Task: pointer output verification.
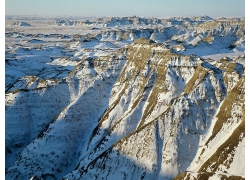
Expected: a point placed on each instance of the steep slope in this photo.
(96, 107)
(165, 146)
(133, 100)
(60, 148)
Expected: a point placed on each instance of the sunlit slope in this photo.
(140, 112)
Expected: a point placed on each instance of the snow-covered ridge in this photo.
(126, 103)
(134, 21)
(154, 108)
(111, 22)
(142, 21)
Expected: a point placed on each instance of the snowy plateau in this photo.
(124, 98)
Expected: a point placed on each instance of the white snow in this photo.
(76, 96)
(237, 167)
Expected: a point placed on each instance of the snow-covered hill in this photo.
(134, 21)
(137, 103)
(111, 22)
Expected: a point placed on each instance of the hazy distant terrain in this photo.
(124, 98)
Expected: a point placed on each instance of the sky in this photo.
(147, 8)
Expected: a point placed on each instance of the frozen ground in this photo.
(127, 97)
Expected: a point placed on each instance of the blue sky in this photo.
(126, 7)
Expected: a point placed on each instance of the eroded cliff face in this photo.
(141, 112)
(161, 144)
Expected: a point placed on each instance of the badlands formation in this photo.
(125, 98)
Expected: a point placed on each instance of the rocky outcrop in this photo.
(142, 113)
(147, 109)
